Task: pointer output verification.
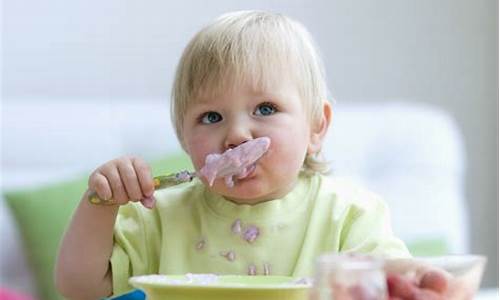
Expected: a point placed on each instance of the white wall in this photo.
(443, 52)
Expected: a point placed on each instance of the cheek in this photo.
(289, 142)
(288, 151)
(198, 147)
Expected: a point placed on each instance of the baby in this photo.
(247, 75)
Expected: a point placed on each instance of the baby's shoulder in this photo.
(347, 192)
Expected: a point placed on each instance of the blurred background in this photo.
(440, 53)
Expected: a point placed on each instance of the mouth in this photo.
(235, 164)
(247, 172)
(250, 170)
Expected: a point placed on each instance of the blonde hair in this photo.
(255, 47)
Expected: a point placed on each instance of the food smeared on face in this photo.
(238, 162)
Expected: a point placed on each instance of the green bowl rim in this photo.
(136, 282)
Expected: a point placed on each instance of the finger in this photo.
(398, 286)
(424, 294)
(148, 202)
(143, 172)
(99, 184)
(434, 280)
(129, 179)
(120, 195)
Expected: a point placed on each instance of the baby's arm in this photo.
(83, 270)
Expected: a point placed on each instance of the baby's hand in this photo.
(432, 286)
(413, 280)
(124, 179)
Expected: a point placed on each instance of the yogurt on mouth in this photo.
(238, 162)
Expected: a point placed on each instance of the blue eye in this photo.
(211, 117)
(265, 109)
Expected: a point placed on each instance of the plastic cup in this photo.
(349, 277)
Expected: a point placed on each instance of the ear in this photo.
(319, 129)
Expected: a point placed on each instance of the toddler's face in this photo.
(213, 124)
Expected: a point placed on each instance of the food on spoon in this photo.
(237, 162)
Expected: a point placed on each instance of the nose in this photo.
(234, 141)
(237, 134)
(231, 146)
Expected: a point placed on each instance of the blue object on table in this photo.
(132, 295)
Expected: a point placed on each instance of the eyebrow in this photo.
(198, 104)
(206, 99)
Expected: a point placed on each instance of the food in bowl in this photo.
(189, 278)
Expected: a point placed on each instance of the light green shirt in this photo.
(192, 230)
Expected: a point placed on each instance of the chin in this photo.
(258, 186)
(248, 190)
